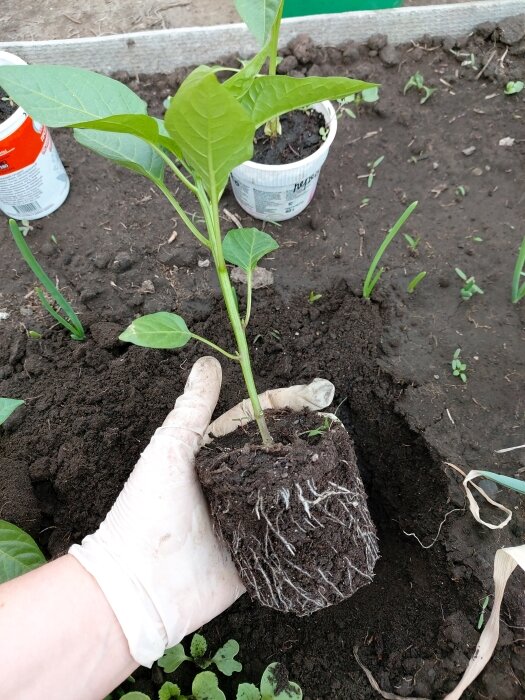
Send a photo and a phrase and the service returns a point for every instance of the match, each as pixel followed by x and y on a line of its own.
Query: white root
pixel 267 564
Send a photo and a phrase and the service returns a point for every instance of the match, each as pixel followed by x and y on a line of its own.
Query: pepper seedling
pixel 208 129
pixel 274 685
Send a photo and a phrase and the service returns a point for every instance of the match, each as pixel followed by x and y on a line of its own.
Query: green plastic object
pixel 300 8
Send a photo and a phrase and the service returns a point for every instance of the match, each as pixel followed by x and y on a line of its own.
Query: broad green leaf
pixel 259 16
pixel 272 680
pixel 370 94
pixel 140 125
pixel 224 658
pixel 161 330
pixel 166 140
pixel 214 132
pixel 240 82
pixel 507 481
pixel 172 657
pixel 205 686
pixel 272 95
pixel 247 691
pixel 169 690
pixel 19 552
pixel 198 646
pixel 244 247
pixel 125 149
pixel 7 406
pixel 135 695
pixel 61 96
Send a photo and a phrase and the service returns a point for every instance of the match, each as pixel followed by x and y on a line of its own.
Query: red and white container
pixel 33 182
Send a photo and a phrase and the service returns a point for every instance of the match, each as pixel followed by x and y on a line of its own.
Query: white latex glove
pixel 155 556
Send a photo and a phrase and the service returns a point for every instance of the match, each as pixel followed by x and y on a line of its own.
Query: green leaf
pixel 224 658
pixel 135 695
pixel 19 552
pixel 198 646
pixel 244 247
pixel 161 330
pixel 240 82
pixel 213 131
pixel 173 658
pixel 140 125
pixel 169 690
pixel 259 16
pixel 272 95
pixel 125 149
pixel 247 691
pixel 205 686
pixel 507 481
pixel 371 94
pixel 274 677
pixel 61 96
pixel 7 406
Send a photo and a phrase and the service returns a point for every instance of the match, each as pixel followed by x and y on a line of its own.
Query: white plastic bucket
pixel 279 192
pixel 33 182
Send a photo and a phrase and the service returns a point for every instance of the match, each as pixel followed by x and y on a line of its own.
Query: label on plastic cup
pixel 33 182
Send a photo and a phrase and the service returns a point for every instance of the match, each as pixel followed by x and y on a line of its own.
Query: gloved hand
pixel 155 556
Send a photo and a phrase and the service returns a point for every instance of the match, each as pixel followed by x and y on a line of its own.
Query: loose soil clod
pixel 294 515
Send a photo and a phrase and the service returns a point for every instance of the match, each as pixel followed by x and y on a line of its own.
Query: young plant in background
pixel 19 553
pixel 373 276
pixel 418 82
pixel 481 618
pixel 459 368
pixel 470 287
pixel 208 129
pixel 415 281
pixel 518 290
pixel 274 685
pixel 68 319
pixel 8 406
pixel 313 297
pixel 223 659
pixel 368 96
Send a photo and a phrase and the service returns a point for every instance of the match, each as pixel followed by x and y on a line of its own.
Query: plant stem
pixel 180 211
pixel 227 354
pixel 273 127
pixel 211 213
pixel 171 165
pixel 249 286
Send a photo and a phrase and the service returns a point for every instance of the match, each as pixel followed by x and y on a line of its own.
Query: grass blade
pixel 371 279
pixel 519 292
pixel 35 267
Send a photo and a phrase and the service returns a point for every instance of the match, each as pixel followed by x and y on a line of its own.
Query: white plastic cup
pixel 280 192
pixel 33 182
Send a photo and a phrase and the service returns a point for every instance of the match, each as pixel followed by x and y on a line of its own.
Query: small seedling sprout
pixel 481 618
pixel 418 82
pixel 372 277
pixel 69 319
pixel 518 290
pixel 514 87
pixel 461 191
pixel 368 96
pixel 415 281
pixel 470 287
pixel 459 368
pixel 373 171
pixel 412 242
pixel 313 297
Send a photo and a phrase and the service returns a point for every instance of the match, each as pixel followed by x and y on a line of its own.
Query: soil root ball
pixel 294 516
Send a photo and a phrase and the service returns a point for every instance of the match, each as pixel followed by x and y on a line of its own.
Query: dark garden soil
pixel 7 108
pixel 300 138
pixel 91 407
